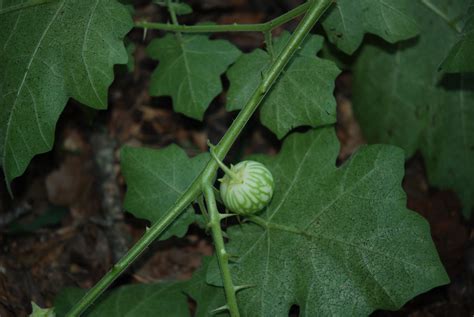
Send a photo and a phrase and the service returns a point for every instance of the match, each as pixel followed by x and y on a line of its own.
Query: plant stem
pixel 256 27
pixel 150 235
pixel 222 255
pixel 226 170
pixel 315 11
pixel 269 43
pixel 174 19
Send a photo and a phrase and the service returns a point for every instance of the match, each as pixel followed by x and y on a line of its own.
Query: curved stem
pixel 256 27
pixel 226 170
pixel 222 255
pixel 174 19
pixel 208 174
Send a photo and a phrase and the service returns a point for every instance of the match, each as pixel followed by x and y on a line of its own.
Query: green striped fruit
pixel 250 191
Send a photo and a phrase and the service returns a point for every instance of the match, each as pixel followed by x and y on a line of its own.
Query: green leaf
pixel 182 8
pixel 41 312
pixel 348 20
pixel 130 46
pixel 179 8
pixel 337 241
pixel 189 70
pixel 303 95
pixel 156 179
pixel 50 217
pixel 207 297
pixel 401 98
pixel 66 299
pixel 461 56
pixel 50 53
pixel 140 300
pixel 164 299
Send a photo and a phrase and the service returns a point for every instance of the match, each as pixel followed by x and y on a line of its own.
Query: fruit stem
pixel 226 170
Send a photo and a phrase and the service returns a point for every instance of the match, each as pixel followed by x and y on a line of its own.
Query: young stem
pixel 174 18
pixel 222 255
pixel 226 170
pixel 315 11
pixel 256 27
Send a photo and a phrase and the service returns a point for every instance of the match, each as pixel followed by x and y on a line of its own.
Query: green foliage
pixel 348 20
pixel 178 8
pixel 189 70
pixel 50 53
pixel 207 297
pixel 333 240
pixel 401 98
pixel 41 312
pixel 131 59
pixel 166 299
pixel 138 300
pixel 461 56
pixel 50 217
pixel 303 95
pixel 66 299
pixel 156 179
pixel 336 241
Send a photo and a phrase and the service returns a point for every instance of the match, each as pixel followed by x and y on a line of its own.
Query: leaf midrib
pixel 20 88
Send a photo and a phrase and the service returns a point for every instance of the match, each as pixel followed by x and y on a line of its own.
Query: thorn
pixel 226 215
pixel 241 287
pixel 219 309
pixel 145 31
pixel 234 258
pixel 147 229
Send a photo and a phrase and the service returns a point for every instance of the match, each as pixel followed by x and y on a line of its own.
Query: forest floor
pixel 66 226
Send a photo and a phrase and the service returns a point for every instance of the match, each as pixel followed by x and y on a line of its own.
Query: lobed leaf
pixel 160 299
pixel 400 97
pixel 336 241
pixel 347 21
pixel 207 297
pixel 461 55
pixel 156 179
pixel 189 70
pixel 49 53
pixel 140 300
pixel 303 95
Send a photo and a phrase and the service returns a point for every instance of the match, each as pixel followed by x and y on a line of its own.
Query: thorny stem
pixel 315 11
pixel 222 255
pixel 256 27
pixel 174 18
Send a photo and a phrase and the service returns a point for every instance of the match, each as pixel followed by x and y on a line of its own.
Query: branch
pixel 222 255
pixel 257 27
pixel 315 11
